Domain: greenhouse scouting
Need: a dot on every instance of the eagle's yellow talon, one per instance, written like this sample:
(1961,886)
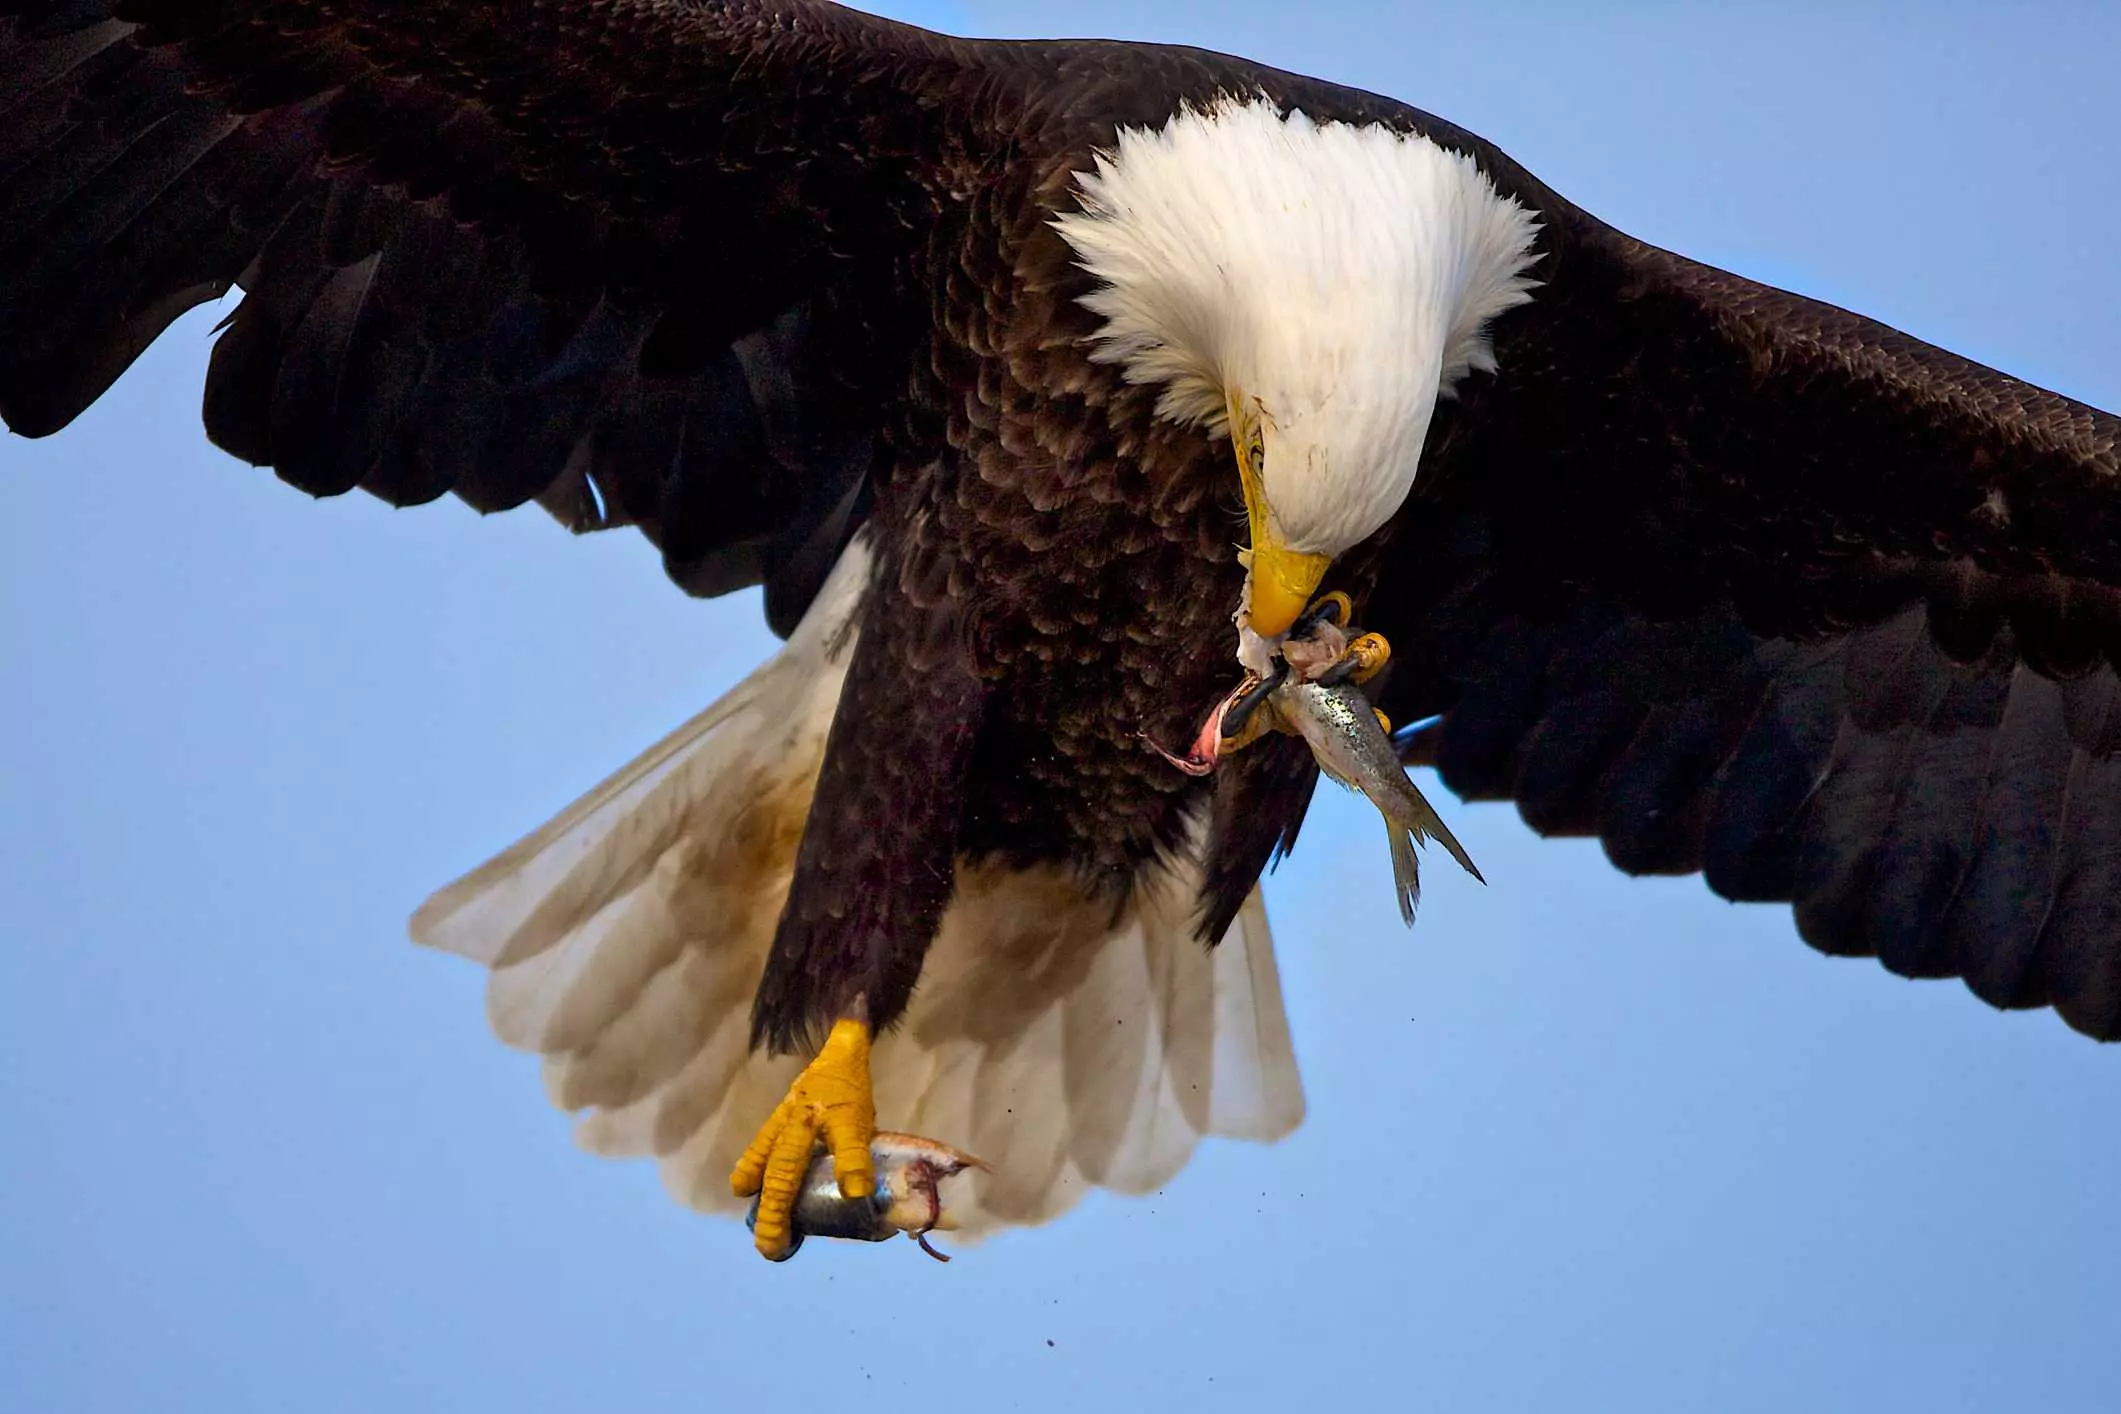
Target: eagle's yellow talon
(1371,653)
(831,1099)
(1263,720)
(1382,719)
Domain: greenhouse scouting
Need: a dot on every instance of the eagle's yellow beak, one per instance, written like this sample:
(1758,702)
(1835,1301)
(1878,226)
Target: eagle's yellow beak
(1282,580)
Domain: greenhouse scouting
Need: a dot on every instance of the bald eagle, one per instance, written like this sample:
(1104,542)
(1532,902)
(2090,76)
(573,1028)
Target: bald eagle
(1043,386)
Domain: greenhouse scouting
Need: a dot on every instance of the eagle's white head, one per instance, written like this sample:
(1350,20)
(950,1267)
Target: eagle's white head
(1308,291)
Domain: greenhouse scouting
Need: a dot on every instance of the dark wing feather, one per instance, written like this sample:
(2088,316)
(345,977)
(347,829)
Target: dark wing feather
(1744,584)
(600,256)
(1964,827)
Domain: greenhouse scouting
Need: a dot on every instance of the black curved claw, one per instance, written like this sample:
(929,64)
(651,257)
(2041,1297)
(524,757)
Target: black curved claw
(1327,607)
(795,1234)
(1242,709)
(1339,673)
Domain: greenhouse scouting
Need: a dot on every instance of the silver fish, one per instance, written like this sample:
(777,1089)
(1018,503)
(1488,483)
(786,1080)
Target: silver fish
(909,1195)
(1351,746)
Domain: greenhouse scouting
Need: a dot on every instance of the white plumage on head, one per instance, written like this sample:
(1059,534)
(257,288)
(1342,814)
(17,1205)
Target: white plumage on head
(1337,278)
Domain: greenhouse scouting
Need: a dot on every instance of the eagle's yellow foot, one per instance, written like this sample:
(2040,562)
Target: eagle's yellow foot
(1255,716)
(1369,653)
(830,1099)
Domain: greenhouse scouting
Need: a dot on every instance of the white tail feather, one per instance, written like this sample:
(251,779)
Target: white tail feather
(1066,1047)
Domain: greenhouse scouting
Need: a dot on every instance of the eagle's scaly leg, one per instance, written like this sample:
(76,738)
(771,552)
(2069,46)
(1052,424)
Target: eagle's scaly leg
(832,1099)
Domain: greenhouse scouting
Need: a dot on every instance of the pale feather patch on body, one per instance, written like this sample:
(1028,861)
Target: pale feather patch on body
(1340,277)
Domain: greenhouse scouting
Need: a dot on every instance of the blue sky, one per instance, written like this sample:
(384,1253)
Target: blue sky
(1577,1142)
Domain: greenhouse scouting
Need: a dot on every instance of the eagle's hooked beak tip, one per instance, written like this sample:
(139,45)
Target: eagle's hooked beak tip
(1279,587)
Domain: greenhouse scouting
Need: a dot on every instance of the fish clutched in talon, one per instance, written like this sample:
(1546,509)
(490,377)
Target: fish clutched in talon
(1315,692)
(910,1176)
(1315,644)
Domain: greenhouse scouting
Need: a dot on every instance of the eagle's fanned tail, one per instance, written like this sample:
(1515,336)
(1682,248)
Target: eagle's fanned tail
(1067,1048)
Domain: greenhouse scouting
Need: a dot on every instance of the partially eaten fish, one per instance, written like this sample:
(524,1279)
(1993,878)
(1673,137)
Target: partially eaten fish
(1315,694)
(1351,745)
(912,1195)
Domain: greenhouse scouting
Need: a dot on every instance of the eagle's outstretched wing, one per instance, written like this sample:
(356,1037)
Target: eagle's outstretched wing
(1747,584)
(553,252)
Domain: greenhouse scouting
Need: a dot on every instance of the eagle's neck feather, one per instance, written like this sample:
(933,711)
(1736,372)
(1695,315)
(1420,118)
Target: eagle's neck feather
(1337,279)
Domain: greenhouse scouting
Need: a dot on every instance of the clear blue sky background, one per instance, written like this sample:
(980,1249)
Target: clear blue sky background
(1577,1143)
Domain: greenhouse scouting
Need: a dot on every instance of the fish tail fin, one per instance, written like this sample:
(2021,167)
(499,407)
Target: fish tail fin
(1406,867)
(1428,825)
(1419,826)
